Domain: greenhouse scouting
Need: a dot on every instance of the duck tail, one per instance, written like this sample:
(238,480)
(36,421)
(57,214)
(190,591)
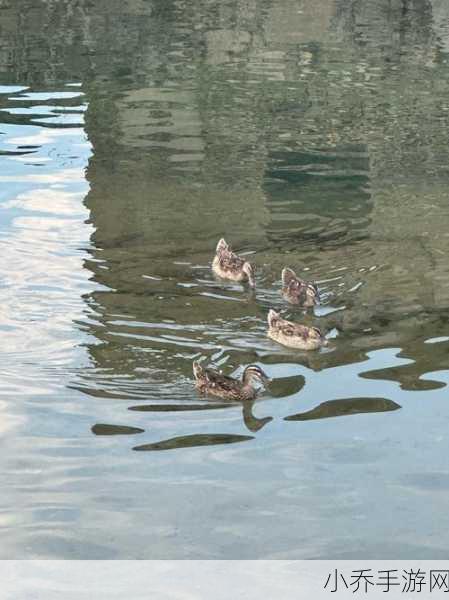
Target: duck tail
(222,246)
(273,317)
(287,276)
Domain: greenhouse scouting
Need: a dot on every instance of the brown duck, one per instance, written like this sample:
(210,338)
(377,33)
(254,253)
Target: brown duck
(294,335)
(297,291)
(228,265)
(209,381)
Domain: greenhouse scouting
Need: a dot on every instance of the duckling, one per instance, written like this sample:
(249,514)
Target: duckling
(228,265)
(294,335)
(209,381)
(297,291)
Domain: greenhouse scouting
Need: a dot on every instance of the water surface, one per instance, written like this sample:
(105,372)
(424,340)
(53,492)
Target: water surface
(133,135)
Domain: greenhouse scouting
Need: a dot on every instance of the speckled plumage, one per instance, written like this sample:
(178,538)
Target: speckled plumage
(297,291)
(294,335)
(228,265)
(209,381)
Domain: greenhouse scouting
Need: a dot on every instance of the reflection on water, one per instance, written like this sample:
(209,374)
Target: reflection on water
(344,407)
(188,441)
(105,429)
(133,135)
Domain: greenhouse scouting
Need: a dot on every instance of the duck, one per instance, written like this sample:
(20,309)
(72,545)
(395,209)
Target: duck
(209,381)
(294,335)
(297,291)
(228,265)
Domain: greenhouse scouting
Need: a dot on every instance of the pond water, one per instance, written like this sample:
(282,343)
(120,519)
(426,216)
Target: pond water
(133,135)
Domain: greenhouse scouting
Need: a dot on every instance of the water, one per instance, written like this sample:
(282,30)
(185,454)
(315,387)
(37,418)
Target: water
(133,135)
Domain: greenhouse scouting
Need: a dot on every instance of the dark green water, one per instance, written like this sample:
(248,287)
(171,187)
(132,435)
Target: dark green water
(133,135)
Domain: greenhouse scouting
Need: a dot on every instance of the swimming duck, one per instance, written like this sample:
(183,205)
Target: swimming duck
(297,291)
(228,265)
(209,381)
(294,335)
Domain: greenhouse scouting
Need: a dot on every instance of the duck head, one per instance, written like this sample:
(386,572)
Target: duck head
(255,373)
(197,369)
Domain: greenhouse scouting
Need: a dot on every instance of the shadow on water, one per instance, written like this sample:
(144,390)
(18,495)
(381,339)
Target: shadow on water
(105,429)
(189,441)
(177,407)
(251,422)
(344,407)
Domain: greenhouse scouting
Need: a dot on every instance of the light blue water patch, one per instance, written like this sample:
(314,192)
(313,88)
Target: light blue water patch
(8,215)
(72,148)
(43,109)
(437,340)
(43,96)
(62,120)
(12,89)
(37,158)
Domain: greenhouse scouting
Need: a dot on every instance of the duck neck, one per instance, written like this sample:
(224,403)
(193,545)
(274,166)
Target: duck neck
(247,387)
(246,378)
(248,392)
